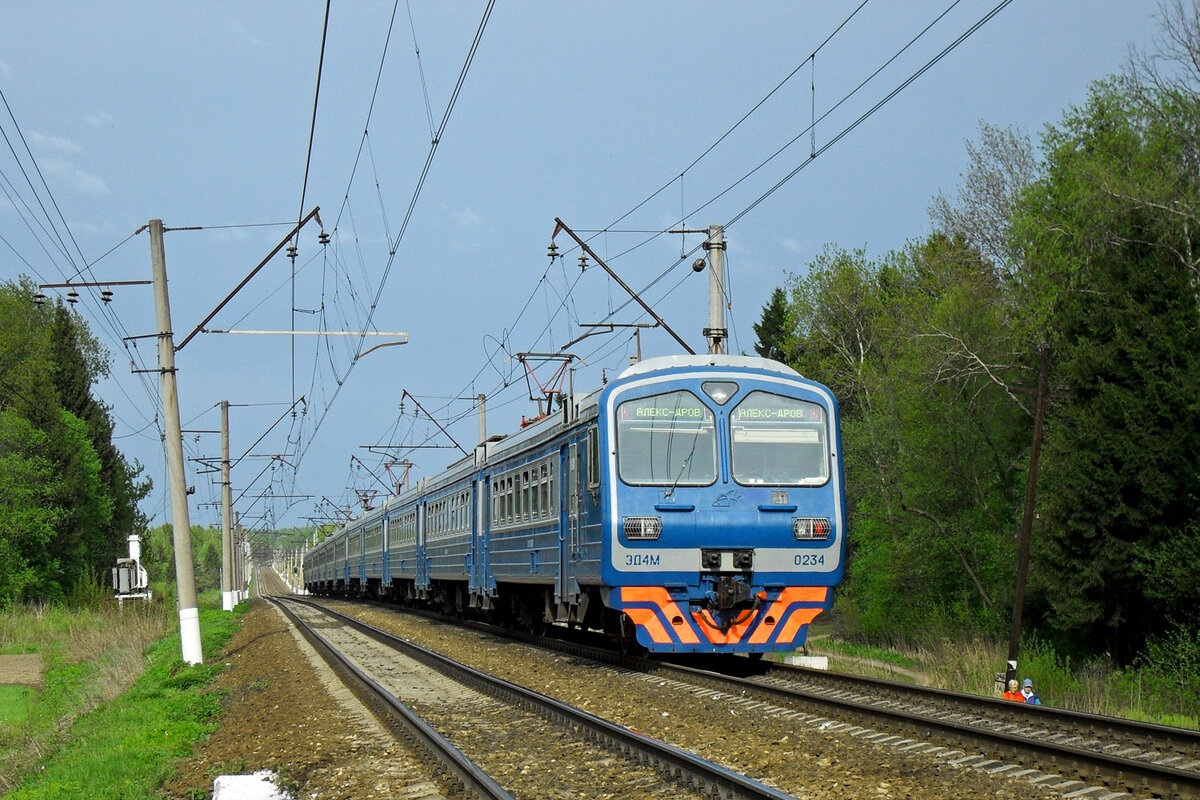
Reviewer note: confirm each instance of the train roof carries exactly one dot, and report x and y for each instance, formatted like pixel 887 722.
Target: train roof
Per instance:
pixel 707 360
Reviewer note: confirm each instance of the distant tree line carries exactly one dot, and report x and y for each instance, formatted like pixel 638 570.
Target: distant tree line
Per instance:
pixel 1085 248
pixel 68 498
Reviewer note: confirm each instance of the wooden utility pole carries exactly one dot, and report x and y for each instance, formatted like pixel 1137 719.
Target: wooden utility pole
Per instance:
pixel 185 577
pixel 1035 450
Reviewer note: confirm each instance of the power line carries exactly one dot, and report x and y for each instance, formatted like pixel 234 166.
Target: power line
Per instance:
pixel 411 207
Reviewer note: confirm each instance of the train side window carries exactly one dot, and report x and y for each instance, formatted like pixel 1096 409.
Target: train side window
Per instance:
pixel 593 457
pixel 525 499
pixel 544 489
pixel 508 499
pixel 535 498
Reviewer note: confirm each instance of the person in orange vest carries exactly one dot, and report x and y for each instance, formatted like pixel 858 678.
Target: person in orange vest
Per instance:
pixel 1014 692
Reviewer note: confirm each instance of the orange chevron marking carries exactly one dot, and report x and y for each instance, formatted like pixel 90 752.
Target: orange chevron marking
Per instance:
pixel 658 596
pixel 714 634
pixel 778 608
pixel 801 616
pixel 646 618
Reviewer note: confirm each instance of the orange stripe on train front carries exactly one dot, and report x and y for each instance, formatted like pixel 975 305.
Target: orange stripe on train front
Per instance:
pixel 790 595
pixel 801 616
pixel 648 619
pixel 657 596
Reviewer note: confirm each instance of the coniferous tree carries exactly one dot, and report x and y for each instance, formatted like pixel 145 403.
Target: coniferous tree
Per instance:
pixel 774 329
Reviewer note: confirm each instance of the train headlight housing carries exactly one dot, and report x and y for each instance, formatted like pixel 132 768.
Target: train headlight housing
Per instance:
pixel 811 528
pixel 642 527
pixel 720 391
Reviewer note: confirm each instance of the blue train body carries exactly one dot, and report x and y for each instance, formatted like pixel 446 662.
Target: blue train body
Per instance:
pixel 694 504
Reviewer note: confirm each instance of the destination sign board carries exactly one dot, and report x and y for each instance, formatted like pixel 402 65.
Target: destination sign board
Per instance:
pixel 682 406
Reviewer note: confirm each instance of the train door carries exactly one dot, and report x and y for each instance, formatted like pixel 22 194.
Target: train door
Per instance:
pixel 422 581
pixel 386 575
pixel 568 530
pixel 479 528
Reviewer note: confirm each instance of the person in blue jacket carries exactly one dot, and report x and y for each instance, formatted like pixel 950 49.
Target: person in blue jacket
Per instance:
pixel 1030 695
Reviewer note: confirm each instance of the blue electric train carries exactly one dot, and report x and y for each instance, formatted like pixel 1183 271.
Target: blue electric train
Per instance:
pixel 694 504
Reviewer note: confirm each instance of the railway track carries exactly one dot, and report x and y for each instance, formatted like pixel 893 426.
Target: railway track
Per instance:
pixel 1069 751
pixel 498 729
pixel 1126 756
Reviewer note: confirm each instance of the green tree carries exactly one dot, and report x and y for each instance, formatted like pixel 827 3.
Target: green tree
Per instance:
pixel 907 344
pixel 28 517
pixel 1111 235
pixel 55 427
pixel 774 328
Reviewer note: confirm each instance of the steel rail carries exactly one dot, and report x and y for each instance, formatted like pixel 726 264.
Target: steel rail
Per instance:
pixel 1167 740
pixel 1063 757
pixel 676 763
pixel 469 774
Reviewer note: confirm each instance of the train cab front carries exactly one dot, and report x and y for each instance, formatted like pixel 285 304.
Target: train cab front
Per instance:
pixel 723 608
pixel 725 522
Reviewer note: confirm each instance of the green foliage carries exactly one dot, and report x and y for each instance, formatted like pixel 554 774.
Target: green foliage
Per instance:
pixel 28 519
pixel 1108 232
pixel 933 352
pixel 931 439
pixel 158 557
pixel 69 497
pixel 774 329
pixel 1173 659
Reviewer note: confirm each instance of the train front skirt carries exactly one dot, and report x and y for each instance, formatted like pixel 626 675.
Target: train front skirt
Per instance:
pixel 666 625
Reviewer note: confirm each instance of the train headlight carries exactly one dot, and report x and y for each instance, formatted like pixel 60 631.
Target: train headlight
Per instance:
pixel 642 527
pixel 810 528
pixel 720 391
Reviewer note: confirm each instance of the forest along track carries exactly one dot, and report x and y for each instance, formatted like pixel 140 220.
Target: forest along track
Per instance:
pixel 504 730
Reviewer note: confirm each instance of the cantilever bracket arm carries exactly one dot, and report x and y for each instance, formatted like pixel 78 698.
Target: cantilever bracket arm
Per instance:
pixel 559 225
pixel 253 272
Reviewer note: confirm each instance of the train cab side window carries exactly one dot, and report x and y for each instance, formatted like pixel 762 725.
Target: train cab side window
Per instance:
pixel 593 457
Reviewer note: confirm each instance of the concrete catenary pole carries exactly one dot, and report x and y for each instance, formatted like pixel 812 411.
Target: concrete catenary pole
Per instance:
pixel 239 560
pixel 482 400
pixel 185 578
pixel 227 598
pixel 715 332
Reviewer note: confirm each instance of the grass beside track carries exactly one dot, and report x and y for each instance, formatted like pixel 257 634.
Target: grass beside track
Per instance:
pixel 126 745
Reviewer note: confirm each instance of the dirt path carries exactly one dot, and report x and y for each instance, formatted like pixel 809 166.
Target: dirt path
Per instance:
pixel 21 669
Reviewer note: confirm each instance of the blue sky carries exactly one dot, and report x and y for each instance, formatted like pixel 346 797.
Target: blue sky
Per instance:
pixel 199 114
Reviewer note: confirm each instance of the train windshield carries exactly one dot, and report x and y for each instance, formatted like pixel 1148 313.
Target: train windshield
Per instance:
pixel 779 441
pixel 666 440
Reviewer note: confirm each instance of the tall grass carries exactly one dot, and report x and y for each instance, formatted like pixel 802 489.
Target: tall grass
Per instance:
pixel 91 654
pixel 126 749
